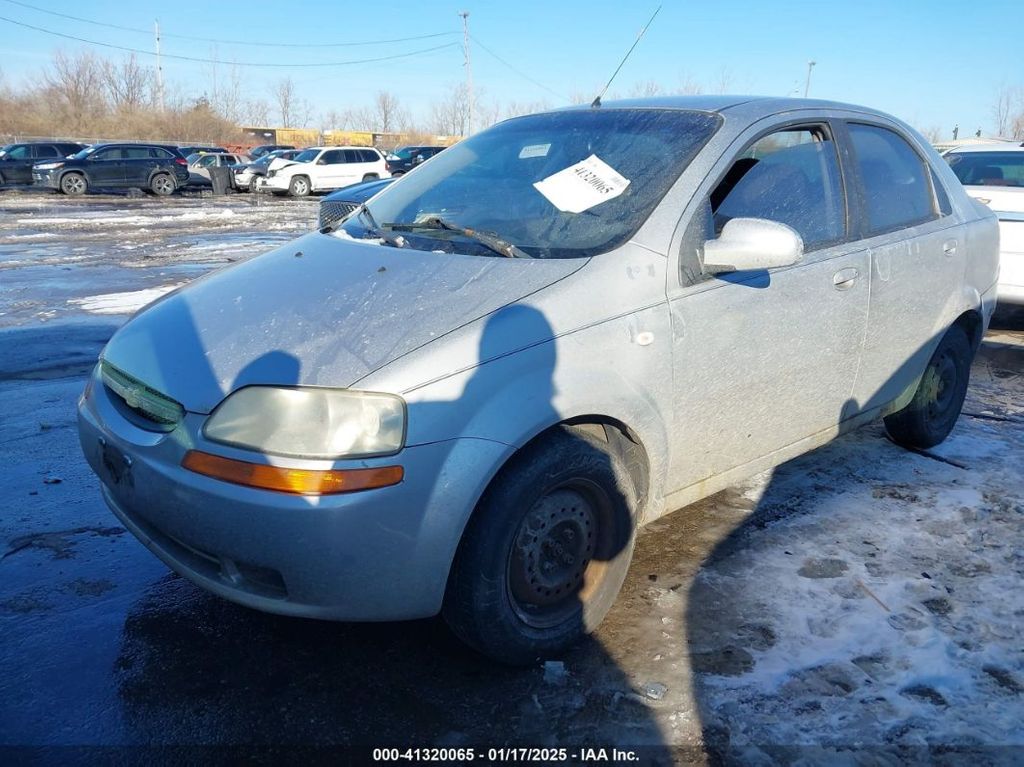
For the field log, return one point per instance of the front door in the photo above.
(762, 360)
(106, 168)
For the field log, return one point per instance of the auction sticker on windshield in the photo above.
(583, 185)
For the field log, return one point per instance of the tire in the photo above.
(546, 550)
(73, 184)
(931, 415)
(370, 177)
(299, 186)
(162, 185)
(398, 174)
(254, 184)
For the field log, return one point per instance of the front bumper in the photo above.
(48, 178)
(374, 555)
(276, 183)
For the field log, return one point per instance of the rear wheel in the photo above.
(933, 412)
(73, 184)
(546, 551)
(162, 185)
(299, 186)
(370, 177)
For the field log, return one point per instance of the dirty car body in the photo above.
(700, 320)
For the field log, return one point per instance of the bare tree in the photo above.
(449, 116)
(76, 83)
(388, 112)
(256, 113)
(129, 86)
(1008, 109)
(723, 81)
(687, 86)
(646, 89)
(286, 101)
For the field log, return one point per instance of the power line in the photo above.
(519, 72)
(222, 61)
(232, 42)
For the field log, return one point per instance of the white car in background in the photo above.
(325, 168)
(994, 174)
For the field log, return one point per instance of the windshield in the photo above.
(403, 153)
(988, 168)
(556, 185)
(84, 153)
(3, 149)
(307, 155)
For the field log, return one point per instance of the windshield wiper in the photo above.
(374, 228)
(489, 240)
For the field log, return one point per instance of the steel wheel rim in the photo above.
(943, 380)
(554, 566)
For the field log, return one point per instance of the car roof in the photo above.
(753, 106)
(995, 146)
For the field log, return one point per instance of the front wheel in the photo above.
(73, 184)
(299, 186)
(933, 412)
(546, 551)
(162, 185)
(370, 177)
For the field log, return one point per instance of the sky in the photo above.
(933, 63)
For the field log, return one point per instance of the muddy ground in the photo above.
(859, 598)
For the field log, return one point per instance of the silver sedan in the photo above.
(468, 395)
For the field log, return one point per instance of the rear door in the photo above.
(917, 258)
(138, 165)
(764, 359)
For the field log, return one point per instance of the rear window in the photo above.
(988, 168)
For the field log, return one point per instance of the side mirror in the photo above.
(321, 161)
(419, 158)
(748, 244)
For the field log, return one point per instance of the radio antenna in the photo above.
(597, 102)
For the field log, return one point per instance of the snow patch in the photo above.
(122, 303)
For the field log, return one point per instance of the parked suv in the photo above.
(156, 167)
(326, 168)
(16, 160)
(993, 174)
(405, 158)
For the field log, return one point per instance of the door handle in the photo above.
(844, 278)
(949, 247)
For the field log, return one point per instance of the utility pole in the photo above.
(469, 68)
(807, 85)
(159, 68)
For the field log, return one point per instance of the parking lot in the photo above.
(861, 594)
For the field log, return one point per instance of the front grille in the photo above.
(331, 212)
(141, 399)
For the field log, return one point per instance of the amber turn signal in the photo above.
(295, 481)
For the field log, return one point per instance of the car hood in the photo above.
(320, 311)
(280, 162)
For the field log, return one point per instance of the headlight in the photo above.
(48, 166)
(309, 422)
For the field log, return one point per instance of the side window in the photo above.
(941, 197)
(208, 161)
(46, 151)
(334, 157)
(896, 190)
(110, 153)
(157, 153)
(792, 177)
(135, 153)
(368, 155)
(22, 152)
